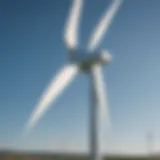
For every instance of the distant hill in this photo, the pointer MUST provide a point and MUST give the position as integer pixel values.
(17, 155)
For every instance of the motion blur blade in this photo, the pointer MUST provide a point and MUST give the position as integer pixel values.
(103, 25)
(57, 85)
(71, 30)
(100, 94)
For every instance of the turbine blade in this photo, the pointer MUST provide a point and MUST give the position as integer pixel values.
(103, 25)
(57, 85)
(71, 30)
(100, 94)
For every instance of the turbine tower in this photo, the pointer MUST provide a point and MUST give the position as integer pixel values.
(150, 144)
(92, 65)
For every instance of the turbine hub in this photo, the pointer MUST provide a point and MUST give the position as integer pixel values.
(98, 58)
(105, 57)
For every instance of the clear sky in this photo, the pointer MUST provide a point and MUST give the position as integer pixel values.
(32, 50)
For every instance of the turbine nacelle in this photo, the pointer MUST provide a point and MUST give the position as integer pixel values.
(86, 62)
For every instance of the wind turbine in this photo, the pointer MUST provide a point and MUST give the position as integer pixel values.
(92, 65)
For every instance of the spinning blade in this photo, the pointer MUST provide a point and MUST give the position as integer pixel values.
(57, 85)
(71, 30)
(103, 25)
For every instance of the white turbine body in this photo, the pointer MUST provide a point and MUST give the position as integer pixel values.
(92, 66)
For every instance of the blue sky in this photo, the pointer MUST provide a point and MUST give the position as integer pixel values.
(32, 50)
